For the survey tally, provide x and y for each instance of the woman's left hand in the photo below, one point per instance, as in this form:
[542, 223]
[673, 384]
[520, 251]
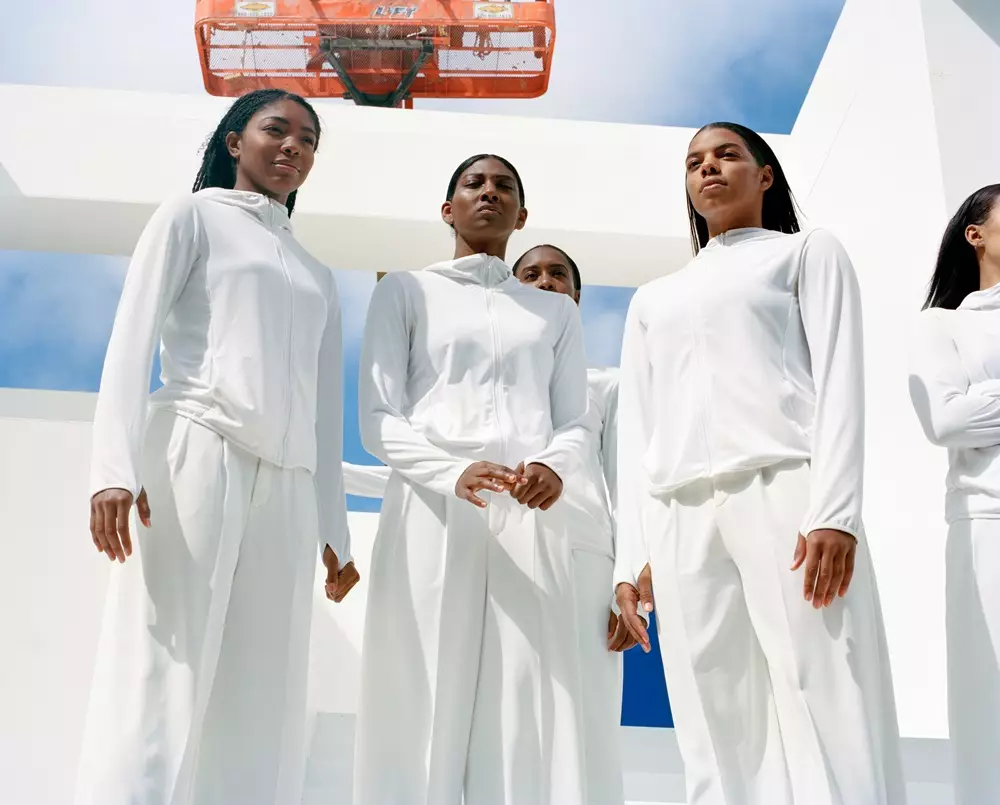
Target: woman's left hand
[539, 487]
[829, 559]
[339, 580]
[619, 637]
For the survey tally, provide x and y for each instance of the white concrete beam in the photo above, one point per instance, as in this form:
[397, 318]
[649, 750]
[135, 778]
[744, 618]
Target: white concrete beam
[86, 168]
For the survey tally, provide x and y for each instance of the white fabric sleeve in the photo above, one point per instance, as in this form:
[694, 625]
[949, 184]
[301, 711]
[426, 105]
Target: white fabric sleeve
[609, 463]
[830, 305]
[952, 412]
[365, 480]
[329, 478]
[635, 401]
[385, 431]
[161, 263]
[609, 445]
[569, 401]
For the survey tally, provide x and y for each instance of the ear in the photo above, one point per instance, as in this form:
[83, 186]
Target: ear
[766, 178]
[576, 297]
[974, 235]
[522, 217]
[446, 214]
[233, 144]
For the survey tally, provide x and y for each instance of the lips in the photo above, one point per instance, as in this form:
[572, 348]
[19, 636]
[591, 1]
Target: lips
[488, 208]
[712, 183]
[288, 166]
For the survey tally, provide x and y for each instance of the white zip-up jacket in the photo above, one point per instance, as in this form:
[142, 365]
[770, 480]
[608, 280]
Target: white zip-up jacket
[955, 389]
[251, 345]
[462, 363]
[749, 356]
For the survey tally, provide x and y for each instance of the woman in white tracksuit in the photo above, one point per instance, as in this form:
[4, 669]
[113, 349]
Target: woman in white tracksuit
[741, 448]
[199, 693]
[471, 382]
[955, 388]
[589, 506]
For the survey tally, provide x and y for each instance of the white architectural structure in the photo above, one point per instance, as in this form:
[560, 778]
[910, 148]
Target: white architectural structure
[900, 124]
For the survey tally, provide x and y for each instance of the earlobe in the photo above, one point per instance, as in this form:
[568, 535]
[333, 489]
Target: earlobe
[973, 236]
[766, 178]
[233, 144]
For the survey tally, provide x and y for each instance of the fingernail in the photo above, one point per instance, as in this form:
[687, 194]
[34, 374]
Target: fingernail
[809, 596]
[648, 607]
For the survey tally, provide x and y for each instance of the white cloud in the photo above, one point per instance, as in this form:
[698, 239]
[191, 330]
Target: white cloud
[62, 299]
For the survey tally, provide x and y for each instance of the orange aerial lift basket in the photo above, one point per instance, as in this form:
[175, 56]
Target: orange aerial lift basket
[378, 54]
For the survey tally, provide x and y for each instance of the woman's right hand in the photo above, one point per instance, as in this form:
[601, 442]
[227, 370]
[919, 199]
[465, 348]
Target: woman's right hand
[109, 517]
[484, 475]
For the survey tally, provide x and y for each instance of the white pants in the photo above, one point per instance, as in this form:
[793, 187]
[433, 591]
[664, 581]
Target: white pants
[973, 622]
[471, 685]
[199, 694]
[774, 702]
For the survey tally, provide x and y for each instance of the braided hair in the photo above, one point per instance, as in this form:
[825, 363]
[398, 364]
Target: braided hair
[218, 168]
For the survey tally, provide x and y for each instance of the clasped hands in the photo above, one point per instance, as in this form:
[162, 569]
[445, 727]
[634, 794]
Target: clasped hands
[535, 485]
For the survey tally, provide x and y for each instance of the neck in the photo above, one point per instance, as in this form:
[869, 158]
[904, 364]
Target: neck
[721, 225]
[245, 184]
[989, 272]
[493, 248]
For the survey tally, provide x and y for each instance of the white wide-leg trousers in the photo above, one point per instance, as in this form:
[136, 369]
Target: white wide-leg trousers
[774, 702]
[199, 692]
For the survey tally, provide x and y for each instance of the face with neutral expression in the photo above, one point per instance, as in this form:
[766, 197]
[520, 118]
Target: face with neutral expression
[548, 270]
[275, 152]
[724, 182]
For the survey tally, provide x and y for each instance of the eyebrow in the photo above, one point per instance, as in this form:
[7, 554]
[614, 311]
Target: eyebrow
[480, 175]
[537, 266]
[287, 122]
[717, 148]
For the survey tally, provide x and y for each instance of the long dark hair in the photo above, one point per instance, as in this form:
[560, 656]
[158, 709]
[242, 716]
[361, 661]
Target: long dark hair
[780, 211]
[453, 184]
[956, 273]
[218, 168]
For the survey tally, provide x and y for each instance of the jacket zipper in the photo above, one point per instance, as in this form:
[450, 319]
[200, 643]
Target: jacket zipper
[497, 372]
[288, 349]
[702, 361]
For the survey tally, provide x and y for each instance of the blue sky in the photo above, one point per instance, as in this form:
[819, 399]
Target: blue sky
[686, 62]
